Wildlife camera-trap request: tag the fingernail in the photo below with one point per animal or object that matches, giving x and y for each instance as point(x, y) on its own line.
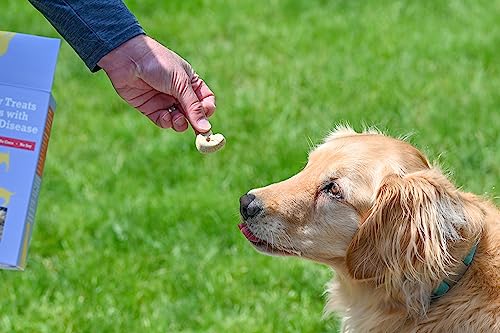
point(203, 124)
point(179, 122)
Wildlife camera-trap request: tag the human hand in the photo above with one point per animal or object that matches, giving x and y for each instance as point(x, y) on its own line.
point(152, 79)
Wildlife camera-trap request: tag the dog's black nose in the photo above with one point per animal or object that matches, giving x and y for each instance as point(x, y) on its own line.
point(249, 206)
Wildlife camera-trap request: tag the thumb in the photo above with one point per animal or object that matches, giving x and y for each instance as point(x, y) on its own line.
point(193, 110)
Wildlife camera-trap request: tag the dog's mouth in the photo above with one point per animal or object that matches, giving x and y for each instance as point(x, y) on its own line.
point(264, 246)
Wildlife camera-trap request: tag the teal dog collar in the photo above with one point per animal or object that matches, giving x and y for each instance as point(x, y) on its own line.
point(449, 282)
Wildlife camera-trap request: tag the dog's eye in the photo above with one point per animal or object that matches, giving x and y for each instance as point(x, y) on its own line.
point(333, 189)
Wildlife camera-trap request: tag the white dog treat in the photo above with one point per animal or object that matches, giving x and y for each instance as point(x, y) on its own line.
point(209, 142)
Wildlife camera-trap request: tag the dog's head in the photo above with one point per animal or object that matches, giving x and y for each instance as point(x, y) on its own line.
point(367, 204)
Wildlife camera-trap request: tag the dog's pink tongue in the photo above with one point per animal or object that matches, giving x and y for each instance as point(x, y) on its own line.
point(247, 233)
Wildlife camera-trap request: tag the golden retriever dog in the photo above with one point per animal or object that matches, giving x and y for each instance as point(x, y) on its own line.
point(411, 252)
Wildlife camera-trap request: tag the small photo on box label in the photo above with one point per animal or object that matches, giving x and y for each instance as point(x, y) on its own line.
point(3, 216)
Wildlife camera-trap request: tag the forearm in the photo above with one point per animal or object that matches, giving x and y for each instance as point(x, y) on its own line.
point(93, 28)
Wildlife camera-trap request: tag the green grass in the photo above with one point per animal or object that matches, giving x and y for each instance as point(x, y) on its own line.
point(136, 231)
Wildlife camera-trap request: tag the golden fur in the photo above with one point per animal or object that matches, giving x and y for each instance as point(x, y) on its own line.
point(392, 226)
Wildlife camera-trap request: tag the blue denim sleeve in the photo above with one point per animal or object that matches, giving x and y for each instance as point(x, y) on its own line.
point(92, 27)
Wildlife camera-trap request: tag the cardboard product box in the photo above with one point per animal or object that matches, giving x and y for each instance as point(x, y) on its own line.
point(27, 65)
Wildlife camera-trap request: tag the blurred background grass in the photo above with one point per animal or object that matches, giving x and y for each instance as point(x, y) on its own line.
point(136, 231)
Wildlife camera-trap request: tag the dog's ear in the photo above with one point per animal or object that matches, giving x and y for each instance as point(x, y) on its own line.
point(409, 235)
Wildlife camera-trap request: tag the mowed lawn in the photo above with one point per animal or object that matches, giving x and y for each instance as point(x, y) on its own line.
point(137, 232)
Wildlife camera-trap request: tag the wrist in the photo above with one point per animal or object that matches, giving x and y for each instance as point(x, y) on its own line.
point(126, 54)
